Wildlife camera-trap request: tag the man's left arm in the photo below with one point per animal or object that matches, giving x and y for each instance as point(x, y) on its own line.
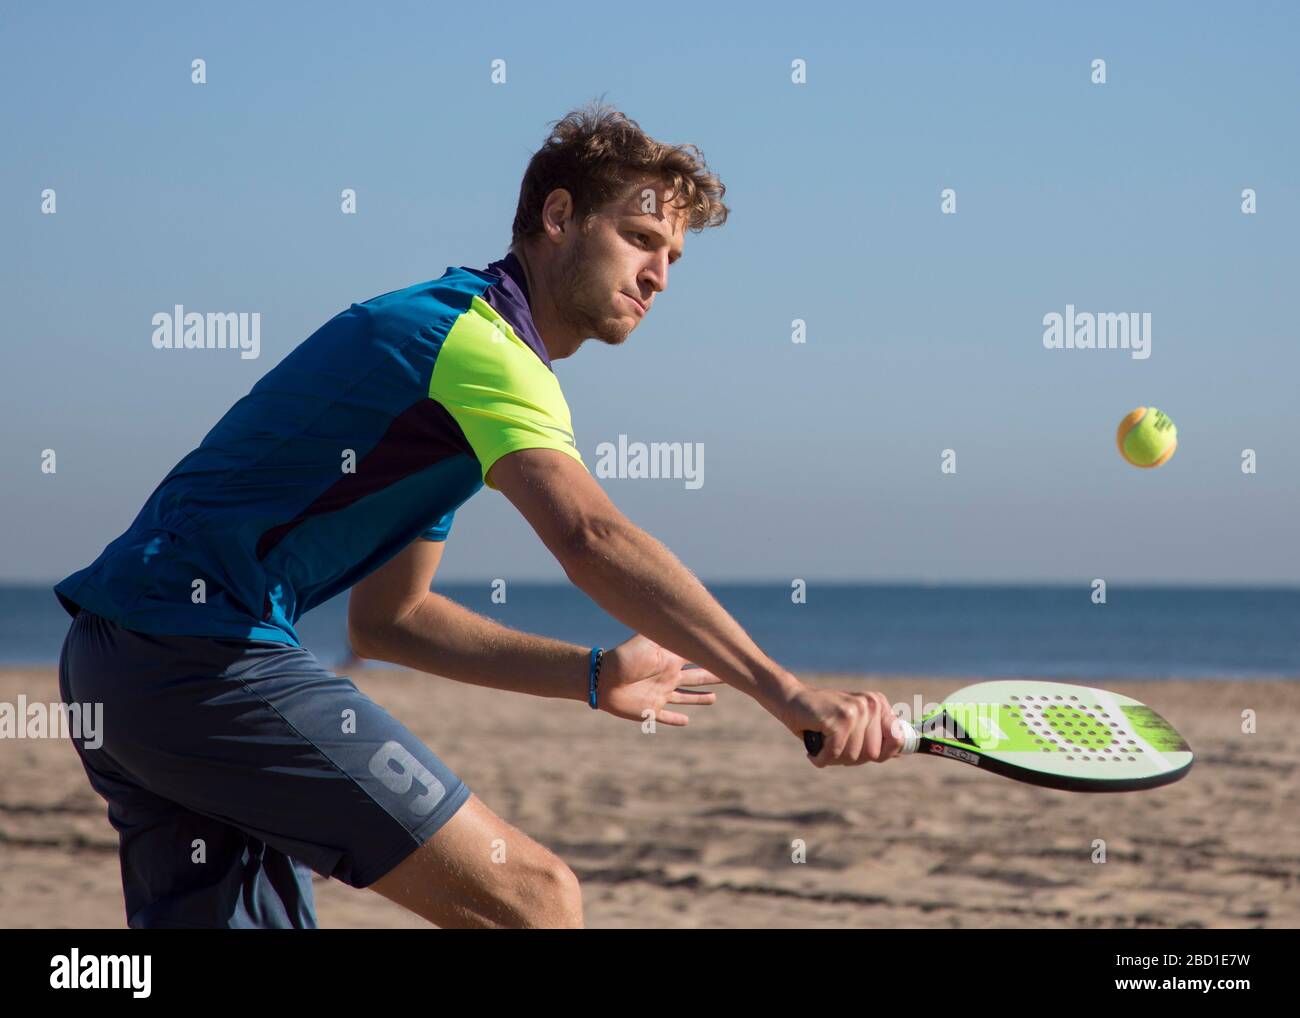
point(393, 616)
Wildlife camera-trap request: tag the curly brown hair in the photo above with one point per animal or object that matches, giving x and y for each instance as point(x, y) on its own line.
point(596, 154)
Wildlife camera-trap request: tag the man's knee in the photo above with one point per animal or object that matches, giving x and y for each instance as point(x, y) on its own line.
point(549, 895)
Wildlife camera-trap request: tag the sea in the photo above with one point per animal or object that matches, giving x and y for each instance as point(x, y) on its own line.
point(1053, 632)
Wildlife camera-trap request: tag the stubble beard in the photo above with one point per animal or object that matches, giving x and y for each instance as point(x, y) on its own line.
point(584, 308)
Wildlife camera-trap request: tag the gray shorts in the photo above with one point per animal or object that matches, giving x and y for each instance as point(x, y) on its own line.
point(233, 768)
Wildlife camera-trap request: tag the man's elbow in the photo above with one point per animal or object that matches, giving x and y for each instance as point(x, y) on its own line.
point(592, 542)
point(365, 639)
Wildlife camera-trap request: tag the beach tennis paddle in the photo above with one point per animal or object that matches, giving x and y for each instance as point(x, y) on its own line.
point(1053, 734)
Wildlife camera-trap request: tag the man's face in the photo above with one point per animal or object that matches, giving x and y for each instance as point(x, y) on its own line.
point(608, 275)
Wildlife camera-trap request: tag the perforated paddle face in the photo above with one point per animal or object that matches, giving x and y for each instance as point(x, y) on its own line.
point(1058, 735)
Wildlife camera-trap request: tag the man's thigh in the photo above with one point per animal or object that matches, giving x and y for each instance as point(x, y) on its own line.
point(479, 871)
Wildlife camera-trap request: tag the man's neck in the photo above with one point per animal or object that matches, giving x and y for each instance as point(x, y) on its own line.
point(554, 334)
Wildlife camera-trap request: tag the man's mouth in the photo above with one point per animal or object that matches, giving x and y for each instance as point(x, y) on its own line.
point(639, 306)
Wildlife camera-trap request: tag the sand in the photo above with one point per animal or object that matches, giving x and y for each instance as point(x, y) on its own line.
point(695, 827)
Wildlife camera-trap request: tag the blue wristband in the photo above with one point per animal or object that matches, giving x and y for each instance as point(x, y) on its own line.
point(593, 675)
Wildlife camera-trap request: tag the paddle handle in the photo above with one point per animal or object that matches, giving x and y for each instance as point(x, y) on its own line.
point(813, 741)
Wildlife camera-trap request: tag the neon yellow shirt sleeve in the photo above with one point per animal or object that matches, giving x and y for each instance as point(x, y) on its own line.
point(498, 390)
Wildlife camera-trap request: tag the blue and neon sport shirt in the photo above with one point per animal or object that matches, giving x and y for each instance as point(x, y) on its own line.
point(368, 436)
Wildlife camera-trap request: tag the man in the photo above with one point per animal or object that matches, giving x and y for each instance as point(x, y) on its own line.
point(234, 763)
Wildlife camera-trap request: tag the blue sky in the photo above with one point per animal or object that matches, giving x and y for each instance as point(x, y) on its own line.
point(821, 459)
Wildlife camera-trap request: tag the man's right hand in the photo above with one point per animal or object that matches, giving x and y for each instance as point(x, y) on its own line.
point(856, 728)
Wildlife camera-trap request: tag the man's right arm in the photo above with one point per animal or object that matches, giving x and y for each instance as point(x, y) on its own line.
point(642, 584)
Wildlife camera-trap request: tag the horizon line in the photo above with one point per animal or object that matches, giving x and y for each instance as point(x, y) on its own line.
point(865, 582)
